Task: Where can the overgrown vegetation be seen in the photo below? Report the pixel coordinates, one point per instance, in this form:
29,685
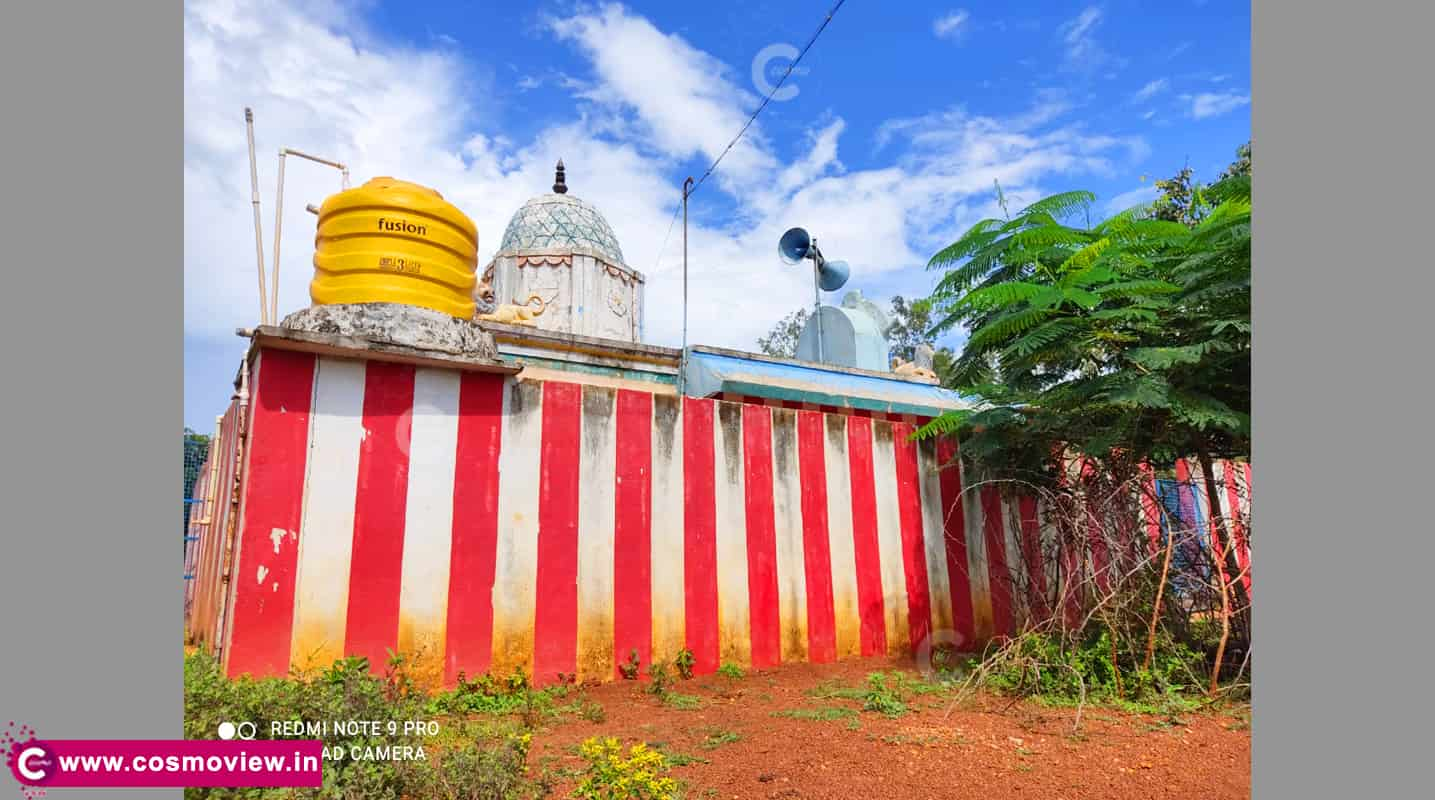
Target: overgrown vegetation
1099,355
472,759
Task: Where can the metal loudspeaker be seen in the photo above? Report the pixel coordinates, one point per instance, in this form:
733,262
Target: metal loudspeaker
832,275
794,245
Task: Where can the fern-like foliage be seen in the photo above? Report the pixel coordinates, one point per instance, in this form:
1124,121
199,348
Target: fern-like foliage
1133,334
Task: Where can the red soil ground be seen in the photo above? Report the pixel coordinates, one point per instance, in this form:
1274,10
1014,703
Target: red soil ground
989,749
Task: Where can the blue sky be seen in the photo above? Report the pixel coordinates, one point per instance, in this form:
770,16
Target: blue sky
903,115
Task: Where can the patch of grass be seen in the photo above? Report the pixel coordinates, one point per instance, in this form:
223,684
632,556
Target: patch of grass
883,697
825,713
731,670
718,737
831,689
682,702
591,711
676,759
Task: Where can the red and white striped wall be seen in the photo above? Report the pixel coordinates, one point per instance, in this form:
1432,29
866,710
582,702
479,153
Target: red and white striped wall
483,523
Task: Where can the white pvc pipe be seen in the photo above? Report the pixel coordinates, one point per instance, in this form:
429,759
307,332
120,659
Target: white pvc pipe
278,226
279,213
258,231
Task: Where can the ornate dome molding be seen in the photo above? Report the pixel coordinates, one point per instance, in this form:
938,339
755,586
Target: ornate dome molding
560,224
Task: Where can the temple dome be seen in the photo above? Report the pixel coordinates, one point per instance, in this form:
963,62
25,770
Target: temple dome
557,221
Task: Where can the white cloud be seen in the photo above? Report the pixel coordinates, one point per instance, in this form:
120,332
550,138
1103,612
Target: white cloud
649,101
1125,200
1150,90
1077,34
1208,104
951,25
683,97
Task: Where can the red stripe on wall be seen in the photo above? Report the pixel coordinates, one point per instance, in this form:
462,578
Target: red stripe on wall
999,573
1150,509
954,534
469,635
764,621
700,534
263,618
376,563
632,533
817,556
555,630
914,549
1031,552
864,532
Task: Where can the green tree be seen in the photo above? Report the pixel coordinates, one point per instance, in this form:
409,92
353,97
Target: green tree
781,341
910,324
1128,340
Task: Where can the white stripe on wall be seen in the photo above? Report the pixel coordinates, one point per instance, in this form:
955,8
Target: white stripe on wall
734,633
889,538
326,532
977,557
840,537
669,596
934,540
516,559
787,519
597,465
1016,561
428,516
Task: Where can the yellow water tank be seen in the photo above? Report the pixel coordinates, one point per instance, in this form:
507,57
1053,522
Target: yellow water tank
391,241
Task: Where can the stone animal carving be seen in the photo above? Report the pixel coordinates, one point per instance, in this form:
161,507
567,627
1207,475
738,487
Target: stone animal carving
516,313
484,296
910,369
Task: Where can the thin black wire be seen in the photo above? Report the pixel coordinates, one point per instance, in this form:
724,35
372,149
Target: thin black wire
746,125
768,99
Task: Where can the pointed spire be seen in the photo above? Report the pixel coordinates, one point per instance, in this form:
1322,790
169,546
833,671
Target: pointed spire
559,187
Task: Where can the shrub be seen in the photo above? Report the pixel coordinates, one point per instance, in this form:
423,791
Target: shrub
629,669
612,776
480,762
731,670
685,662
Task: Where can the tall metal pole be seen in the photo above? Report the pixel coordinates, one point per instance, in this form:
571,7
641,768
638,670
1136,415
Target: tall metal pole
817,300
258,232
683,361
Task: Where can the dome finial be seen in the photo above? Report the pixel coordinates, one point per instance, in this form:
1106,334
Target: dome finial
559,187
